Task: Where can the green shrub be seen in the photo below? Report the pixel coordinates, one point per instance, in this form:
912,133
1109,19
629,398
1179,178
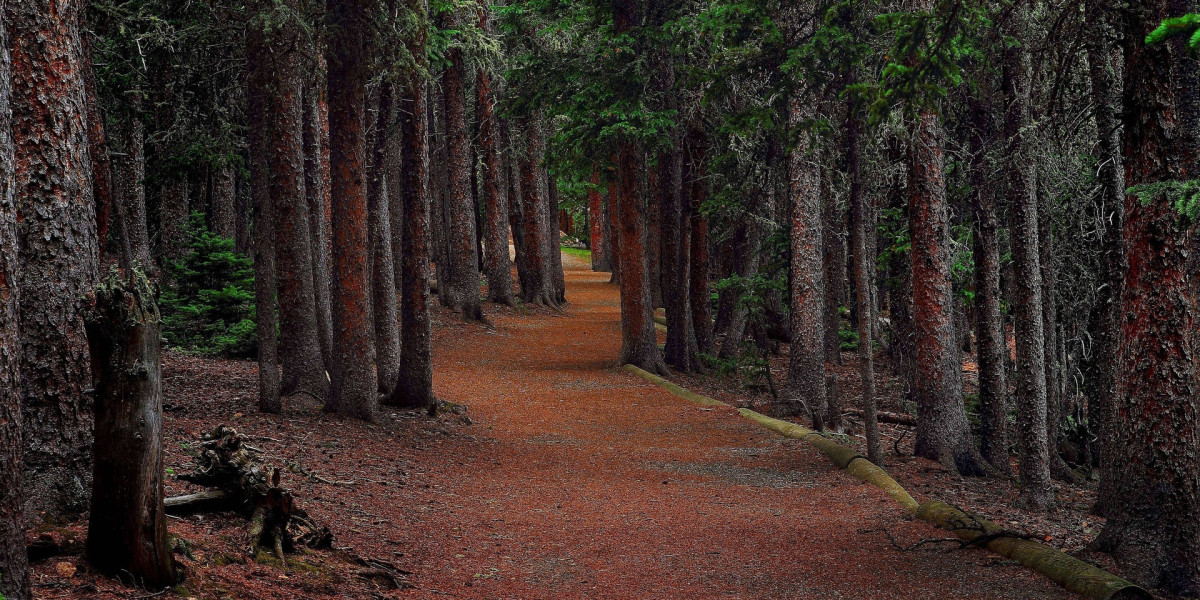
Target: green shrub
208,306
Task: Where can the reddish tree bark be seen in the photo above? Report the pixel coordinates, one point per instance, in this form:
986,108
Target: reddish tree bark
598,242
56,226
943,433
299,338
353,385
316,185
806,366
539,285
14,568
463,272
612,201
415,385
497,264
102,181
1153,527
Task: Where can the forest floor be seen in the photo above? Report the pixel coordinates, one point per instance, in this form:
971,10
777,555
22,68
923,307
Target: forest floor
567,478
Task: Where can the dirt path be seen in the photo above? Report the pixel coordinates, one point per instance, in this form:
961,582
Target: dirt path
584,482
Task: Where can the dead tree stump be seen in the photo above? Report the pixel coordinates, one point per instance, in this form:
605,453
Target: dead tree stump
127,529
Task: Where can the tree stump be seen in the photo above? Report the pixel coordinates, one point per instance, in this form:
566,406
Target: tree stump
127,529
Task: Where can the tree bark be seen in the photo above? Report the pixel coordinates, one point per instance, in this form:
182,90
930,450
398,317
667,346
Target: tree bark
463,281
698,282
943,434
14,568
612,202
864,270
224,197
497,264
127,525
353,385
1153,528
299,338
131,191
1100,380
316,177
1032,446
682,351
597,240
56,229
539,287
264,230
834,254
383,273
174,208
554,236
415,385
516,217
102,181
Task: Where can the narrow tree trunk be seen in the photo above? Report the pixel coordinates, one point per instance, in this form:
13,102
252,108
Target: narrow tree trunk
943,433
1153,528
497,264
224,197
383,272
353,385
806,367
1032,447
699,292
834,254
681,351
597,240
439,186
300,346
264,231
57,251
1100,380
14,568
127,526
131,192
612,201
463,284
414,387
864,270
554,236
653,226
516,218
316,170
1054,366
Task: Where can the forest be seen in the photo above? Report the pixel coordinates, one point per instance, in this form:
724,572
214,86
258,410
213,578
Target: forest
579,299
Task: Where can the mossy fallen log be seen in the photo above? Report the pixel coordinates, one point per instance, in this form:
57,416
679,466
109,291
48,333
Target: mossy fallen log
1073,574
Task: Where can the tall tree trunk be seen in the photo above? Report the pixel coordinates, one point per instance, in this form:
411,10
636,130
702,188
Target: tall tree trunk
414,387
701,301
806,367
554,237
316,177
612,201
653,226
56,229
834,254
463,283
682,351
131,192
943,433
102,181
264,229
1059,469
516,217
1153,528
14,567
639,343
127,525
597,240
300,346
353,384
1032,446
383,272
173,210
539,289
497,264
439,188
1100,368
991,346
864,270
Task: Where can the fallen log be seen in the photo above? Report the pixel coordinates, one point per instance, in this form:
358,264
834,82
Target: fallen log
243,484
885,417
1073,574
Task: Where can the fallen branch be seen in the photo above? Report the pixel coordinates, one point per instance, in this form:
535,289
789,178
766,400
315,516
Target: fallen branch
886,417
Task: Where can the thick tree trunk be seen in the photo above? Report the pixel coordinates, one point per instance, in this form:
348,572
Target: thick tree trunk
299,338
653,226
462,285
14,569
127,526
439,187
1104,324
682,351
264,231
497,264
1032,446
597,240
383,272
415,385
539,287
102,181
173,210
1153,527
56,229
131,192
943,433
639,343
806,366
353,385
316,177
